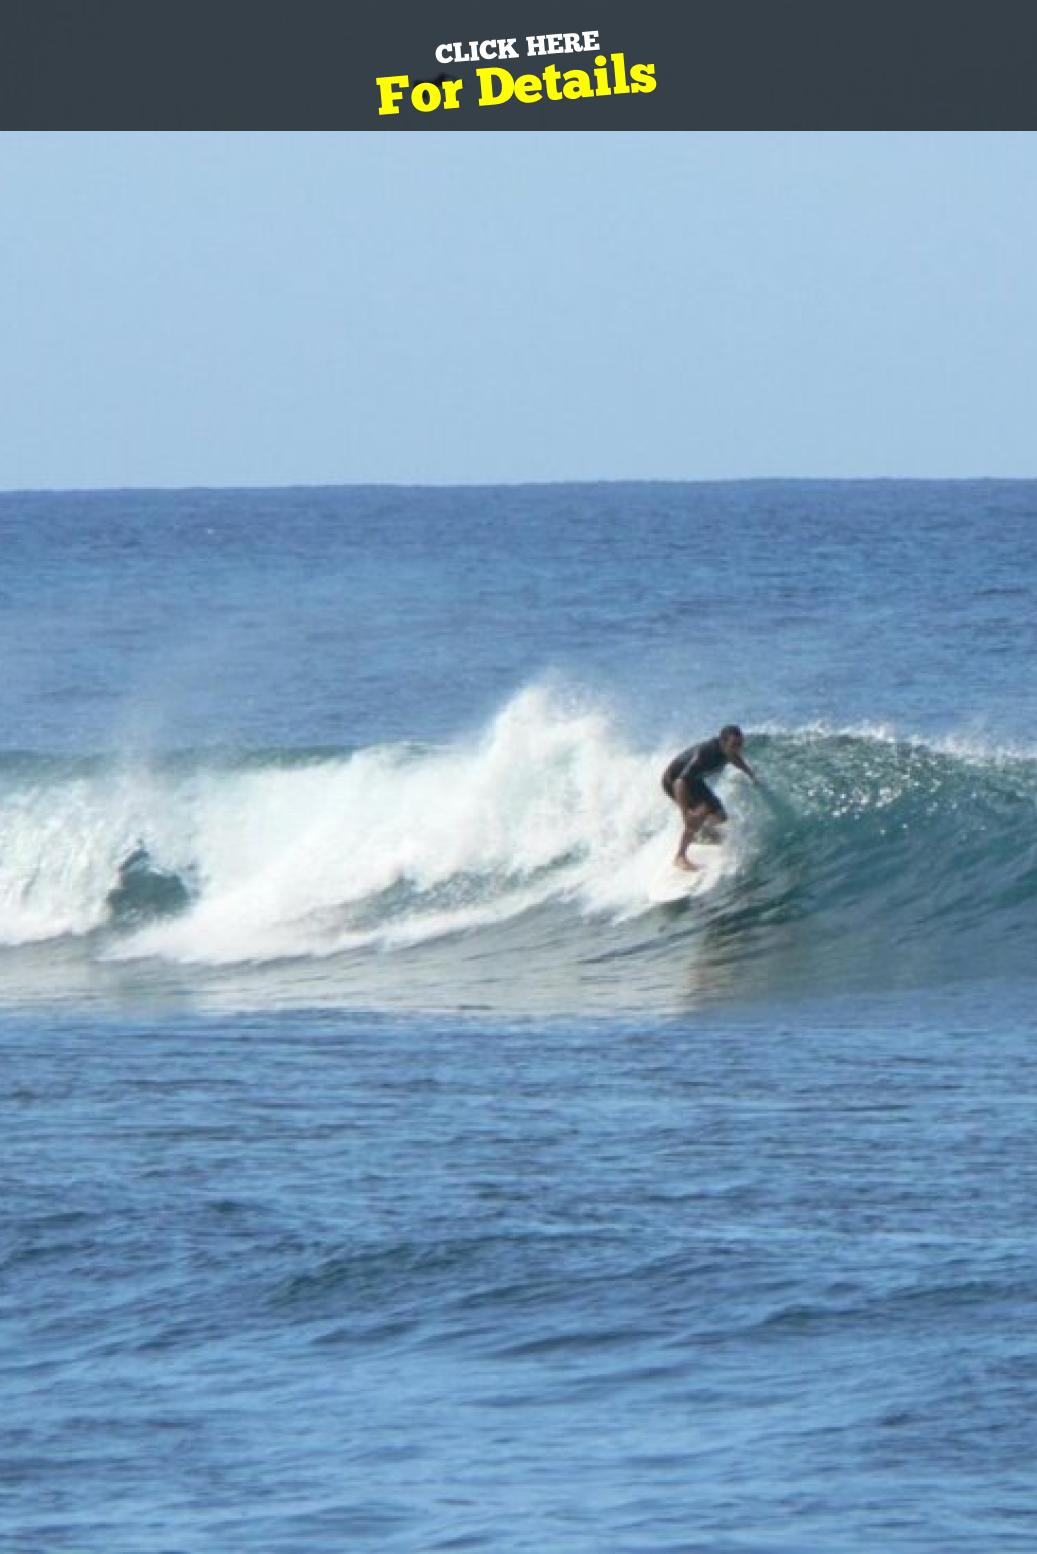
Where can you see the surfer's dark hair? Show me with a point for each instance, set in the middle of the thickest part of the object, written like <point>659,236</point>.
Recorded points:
<point>731,728</point>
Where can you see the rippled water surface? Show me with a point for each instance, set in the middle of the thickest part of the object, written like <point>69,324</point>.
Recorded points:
<point>409,1181</point>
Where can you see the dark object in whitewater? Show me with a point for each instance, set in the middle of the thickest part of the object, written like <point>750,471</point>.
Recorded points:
<point>142,891</point>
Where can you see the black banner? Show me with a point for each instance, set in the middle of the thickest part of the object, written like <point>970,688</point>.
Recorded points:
<point>568,65</point>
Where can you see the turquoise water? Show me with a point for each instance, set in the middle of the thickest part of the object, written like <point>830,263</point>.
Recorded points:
<point>420,1186</point>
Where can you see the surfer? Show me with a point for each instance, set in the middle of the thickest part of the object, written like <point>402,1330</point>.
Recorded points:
<point>141,890</point>
<point>684,782</point>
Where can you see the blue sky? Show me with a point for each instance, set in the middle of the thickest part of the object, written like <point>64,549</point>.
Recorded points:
<point>267,309</point>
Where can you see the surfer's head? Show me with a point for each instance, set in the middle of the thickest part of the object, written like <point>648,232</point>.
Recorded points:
<point>731,738</point>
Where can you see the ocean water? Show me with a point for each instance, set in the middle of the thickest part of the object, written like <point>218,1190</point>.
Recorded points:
<point>405,1180</point>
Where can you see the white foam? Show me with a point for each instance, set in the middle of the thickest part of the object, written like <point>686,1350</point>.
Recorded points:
<point>385,848</point>
<point>974,745</point>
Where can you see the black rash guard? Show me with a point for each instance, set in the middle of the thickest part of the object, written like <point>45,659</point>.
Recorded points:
<point>697,760</point>
<point>692,764</point>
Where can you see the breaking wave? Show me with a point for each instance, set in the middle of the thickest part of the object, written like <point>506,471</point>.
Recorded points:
<point>511,869</point>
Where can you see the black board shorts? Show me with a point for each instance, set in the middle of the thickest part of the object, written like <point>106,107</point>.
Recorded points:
<point>699,793</point>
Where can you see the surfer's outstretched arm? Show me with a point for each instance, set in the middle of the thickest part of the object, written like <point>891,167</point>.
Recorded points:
<point>743,766</point>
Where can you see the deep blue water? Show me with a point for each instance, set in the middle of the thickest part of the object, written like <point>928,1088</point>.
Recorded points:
<point>418,1185</point>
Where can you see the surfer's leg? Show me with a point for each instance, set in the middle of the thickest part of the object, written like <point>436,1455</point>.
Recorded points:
<point>693,819</point>
<point>703,817</point>
<point>713,812</point>
<point>680,799</point>
<point>712,822</point>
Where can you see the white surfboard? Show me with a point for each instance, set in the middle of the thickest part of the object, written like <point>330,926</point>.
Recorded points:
<point>672,884</point>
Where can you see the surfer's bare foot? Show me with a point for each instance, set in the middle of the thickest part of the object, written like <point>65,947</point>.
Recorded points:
<point>685,864</point>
